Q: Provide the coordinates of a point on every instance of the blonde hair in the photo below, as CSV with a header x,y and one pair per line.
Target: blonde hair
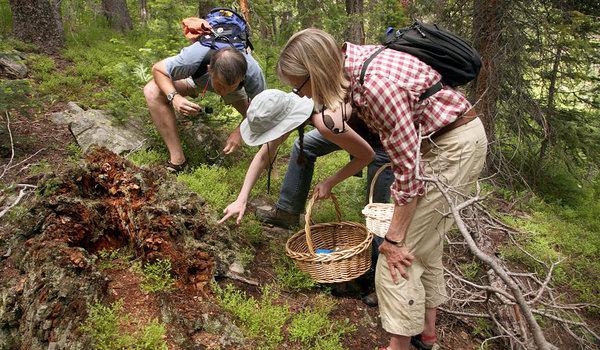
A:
x,y
314,53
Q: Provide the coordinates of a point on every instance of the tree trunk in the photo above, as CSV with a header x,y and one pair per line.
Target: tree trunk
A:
x,y
487,28
355,33
551,103
38,22
144,11
245,10
118,15
204,6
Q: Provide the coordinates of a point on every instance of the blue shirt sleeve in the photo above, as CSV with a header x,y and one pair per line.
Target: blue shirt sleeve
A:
x,y
255,79
186,62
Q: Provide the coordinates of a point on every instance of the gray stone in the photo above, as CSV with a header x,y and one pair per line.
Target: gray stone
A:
x,y
12,67
96,127
236,268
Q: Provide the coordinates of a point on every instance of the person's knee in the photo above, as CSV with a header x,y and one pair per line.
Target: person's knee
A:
x,y
152,93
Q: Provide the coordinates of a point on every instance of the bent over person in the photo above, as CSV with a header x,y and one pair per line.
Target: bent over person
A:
x,y
231,73
409,278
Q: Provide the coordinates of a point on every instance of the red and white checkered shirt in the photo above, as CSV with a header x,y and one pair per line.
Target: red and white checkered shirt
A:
x,y
388,101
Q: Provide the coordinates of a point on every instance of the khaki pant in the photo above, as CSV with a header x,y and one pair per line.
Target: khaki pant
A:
x,y
456,158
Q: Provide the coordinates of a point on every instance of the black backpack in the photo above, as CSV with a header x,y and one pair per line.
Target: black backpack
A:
x,y
457,62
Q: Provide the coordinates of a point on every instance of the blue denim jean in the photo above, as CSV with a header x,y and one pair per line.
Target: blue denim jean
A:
x,y
296,184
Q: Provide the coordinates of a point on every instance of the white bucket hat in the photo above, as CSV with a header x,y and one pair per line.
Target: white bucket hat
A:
x,y
273,113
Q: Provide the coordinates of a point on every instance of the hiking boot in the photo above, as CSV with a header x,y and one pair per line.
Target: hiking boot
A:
x,y
278,217
418,341
370,299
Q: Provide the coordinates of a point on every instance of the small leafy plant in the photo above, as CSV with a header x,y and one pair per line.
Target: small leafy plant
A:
x,y
157,277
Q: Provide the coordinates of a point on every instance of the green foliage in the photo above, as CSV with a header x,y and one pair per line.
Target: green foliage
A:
x,y
252,229
110,259
210,183
470,270
15,94
483,328
314,329
5,19
157,277
262,319
146,157
41,167
553,233
104,324
288,275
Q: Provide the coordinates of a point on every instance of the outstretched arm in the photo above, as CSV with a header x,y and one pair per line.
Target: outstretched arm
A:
x,y
261,160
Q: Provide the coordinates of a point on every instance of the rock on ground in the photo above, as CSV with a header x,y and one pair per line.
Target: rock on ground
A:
x,y
97,127
12,66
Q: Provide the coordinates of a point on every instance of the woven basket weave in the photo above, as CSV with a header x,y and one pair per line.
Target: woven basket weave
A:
x,y
350,242
378,215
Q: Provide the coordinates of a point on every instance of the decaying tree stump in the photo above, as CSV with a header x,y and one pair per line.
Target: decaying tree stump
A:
x,y
50,276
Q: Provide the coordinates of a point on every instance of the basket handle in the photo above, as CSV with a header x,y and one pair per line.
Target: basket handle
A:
x,y
307,219
374,180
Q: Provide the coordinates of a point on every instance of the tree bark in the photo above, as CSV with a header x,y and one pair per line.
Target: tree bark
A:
x,y
487,29
144,11
38,22
204,6
547,128
245,7
355,32
118,15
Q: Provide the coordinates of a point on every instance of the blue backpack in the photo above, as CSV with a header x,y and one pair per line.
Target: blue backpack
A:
x,y
229,29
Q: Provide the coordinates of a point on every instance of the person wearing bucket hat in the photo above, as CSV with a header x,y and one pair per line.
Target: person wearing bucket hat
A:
x,y
271,117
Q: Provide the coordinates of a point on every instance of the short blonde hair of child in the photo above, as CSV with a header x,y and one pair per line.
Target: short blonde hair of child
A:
x,y
313,52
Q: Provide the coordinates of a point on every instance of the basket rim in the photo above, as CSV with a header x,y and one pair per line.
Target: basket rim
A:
x,y
338,255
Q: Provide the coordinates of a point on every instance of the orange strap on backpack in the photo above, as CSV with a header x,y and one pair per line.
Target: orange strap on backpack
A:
x,y
194,28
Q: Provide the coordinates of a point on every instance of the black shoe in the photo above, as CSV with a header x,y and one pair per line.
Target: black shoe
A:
x,y
278,217
418,343
175,168
370,299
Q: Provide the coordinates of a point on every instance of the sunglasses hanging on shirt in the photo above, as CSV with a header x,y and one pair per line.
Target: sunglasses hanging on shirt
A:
x,y
330,124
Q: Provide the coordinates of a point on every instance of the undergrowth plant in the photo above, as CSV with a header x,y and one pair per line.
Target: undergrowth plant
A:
x,y
262,320
314,329
157,277
104,324
288,275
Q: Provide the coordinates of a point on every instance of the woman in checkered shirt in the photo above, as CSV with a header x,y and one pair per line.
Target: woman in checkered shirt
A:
x,y
442,128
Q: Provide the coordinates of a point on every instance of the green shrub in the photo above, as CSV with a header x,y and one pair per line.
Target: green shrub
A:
x,y
314,329
262,319
104,324
288,275
157,277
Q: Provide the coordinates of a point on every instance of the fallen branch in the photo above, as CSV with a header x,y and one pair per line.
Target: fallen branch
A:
x,y
22,194
12,146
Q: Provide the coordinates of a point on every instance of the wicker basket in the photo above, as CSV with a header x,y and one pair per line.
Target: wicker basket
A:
x,y
349,241
378,215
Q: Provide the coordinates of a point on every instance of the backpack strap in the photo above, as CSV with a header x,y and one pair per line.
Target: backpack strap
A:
x,y
203,68
428,93
366,64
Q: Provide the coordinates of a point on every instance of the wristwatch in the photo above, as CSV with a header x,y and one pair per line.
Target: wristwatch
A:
x,y
396,243
171,95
